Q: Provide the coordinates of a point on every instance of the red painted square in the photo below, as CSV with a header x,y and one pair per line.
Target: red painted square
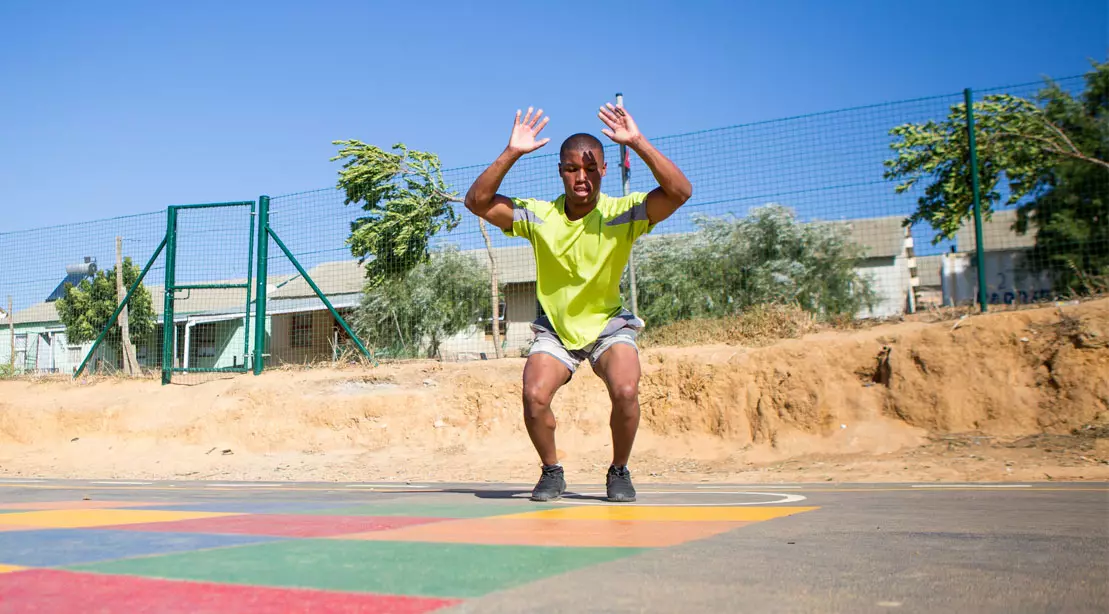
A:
x,y
280,525
49,590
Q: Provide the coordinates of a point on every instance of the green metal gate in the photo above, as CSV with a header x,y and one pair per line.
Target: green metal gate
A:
x,y
207,300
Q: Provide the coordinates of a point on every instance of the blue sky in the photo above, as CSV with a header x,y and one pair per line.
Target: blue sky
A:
x,y
120,108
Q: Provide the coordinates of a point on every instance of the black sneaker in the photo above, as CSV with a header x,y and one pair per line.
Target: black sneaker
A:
x,y
551,484
619,485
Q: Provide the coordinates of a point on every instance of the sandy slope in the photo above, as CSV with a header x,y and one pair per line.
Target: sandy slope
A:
x,y
996,398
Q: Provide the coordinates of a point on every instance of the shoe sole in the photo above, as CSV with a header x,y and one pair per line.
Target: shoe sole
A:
x,y
620,499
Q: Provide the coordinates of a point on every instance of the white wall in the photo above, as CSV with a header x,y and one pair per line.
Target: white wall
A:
x,y
890,281
1008,279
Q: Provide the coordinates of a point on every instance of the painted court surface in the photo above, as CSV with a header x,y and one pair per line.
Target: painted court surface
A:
x,y
139,547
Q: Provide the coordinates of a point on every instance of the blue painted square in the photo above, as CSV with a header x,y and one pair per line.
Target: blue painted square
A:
x,y
55,547
241,507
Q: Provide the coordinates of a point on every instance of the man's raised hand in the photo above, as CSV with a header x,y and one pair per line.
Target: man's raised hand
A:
x,y
621,126
523,139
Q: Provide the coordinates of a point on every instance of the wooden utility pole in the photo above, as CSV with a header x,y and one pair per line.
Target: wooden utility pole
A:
x,y
130,359
494,291
11,333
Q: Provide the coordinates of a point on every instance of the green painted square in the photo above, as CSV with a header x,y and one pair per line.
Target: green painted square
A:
x,y
387,567
435,509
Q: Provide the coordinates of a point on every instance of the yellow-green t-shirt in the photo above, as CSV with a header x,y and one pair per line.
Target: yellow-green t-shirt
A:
x,y
578,263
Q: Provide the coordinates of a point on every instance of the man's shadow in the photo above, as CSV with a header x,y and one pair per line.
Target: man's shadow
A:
x,y
521,494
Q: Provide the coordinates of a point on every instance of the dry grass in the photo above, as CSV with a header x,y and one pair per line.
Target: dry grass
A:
x,y
760,326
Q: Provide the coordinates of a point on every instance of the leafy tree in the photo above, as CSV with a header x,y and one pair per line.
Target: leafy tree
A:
x,y
86,308
1069,207
438,298
1053,156
729,265
406,203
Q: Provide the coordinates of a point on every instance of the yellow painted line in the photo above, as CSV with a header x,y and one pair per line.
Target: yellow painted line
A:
x,y
72,519
185,489
676,513
10,568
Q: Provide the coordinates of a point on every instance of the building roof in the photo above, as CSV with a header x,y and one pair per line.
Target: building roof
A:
x,y
188,303
192,302
881,237
997,234
312,303
514,264
35,314
338,277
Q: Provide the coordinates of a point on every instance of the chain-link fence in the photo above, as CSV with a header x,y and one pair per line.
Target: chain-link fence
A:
x,y
808,211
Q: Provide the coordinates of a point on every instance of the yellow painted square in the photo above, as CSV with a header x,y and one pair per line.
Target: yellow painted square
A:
x,y
78,504
72,519
662,513
10,568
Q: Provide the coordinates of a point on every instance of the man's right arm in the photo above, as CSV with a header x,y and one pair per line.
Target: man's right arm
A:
x,y
482,199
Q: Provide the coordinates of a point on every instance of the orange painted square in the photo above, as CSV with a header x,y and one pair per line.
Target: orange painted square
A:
x,y
556,532
10,568
74,505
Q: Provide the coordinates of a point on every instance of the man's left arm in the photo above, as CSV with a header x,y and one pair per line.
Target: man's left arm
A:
x,y
674,189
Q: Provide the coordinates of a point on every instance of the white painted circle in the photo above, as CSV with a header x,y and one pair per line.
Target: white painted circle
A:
x,y
780,498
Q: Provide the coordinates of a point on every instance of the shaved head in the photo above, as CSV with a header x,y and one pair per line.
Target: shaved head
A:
x,y
582,167
583,141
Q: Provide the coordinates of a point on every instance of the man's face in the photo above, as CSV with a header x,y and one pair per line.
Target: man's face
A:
x,y
581,172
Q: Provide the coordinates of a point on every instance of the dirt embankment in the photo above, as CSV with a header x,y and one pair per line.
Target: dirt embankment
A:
x,y
1021,395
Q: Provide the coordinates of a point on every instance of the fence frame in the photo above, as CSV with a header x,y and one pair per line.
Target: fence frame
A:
x,y
259,235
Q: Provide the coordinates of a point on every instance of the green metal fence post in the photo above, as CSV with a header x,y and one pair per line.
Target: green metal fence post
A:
x,y
249,279
169,331
625,176
260,293
980,254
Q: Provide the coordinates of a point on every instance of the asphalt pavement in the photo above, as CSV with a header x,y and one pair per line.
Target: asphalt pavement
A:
x,y
226,546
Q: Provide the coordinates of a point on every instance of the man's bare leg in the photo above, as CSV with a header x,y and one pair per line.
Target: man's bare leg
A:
x,y
543,376
619,368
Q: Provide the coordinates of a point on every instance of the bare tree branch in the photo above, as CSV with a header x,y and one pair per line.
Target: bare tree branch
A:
x,y
1055,148
1060,132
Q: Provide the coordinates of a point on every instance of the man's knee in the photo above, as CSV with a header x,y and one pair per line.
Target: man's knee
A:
x,y
625,392
537,397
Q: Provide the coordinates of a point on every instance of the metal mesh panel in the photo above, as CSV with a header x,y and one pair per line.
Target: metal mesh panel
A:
x,y
802,211
817,178
39,267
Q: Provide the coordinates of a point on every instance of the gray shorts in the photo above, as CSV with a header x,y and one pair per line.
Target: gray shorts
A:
x,y
624,328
